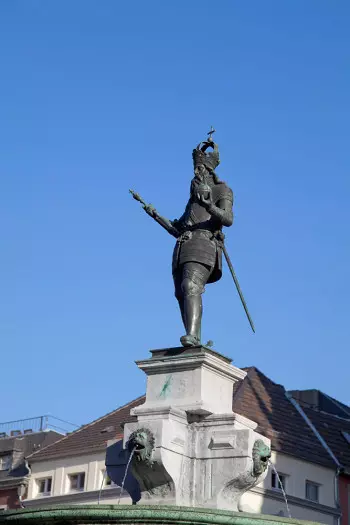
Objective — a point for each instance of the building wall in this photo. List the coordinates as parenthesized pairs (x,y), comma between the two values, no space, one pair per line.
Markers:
(9,499)
(344,496)
(261,499)
(59,469)
(267,500)
(298,472)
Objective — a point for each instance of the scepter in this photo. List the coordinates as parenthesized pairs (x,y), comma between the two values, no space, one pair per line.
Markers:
(152,212)
(137,197)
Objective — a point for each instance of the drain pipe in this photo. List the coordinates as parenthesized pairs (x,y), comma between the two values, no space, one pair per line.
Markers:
(339,468)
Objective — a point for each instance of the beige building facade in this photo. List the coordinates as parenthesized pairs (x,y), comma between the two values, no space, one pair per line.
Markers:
(81,479)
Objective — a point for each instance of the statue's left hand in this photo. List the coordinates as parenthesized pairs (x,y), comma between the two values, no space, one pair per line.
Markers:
(205,200)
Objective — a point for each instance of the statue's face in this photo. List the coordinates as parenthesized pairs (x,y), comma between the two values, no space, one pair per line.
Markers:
(200,171)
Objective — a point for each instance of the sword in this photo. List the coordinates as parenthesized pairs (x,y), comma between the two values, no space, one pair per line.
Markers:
(229,264)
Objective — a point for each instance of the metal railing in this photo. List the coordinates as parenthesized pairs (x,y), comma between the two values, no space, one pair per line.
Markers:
(22,427)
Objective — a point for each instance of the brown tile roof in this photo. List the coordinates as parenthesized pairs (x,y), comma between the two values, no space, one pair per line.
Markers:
(331,428)
(256,397)
(265,402)
(91,437)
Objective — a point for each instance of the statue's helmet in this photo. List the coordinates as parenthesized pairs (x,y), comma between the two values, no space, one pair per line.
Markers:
(209,159)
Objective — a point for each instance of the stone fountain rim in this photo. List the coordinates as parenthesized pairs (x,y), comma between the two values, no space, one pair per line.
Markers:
(104,513)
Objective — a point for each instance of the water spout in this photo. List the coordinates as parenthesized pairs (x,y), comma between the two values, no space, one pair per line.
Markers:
(282,488)
(101,488)
(126,473)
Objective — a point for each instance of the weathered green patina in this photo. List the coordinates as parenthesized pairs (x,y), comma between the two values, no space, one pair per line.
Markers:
(166,387)
(140,514)
(261,455)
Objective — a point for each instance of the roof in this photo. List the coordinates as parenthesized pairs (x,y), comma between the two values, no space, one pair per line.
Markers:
(92,437)
(266,403)
(331,418)
(320,401)
(21,446)
(331,428)
(256,397)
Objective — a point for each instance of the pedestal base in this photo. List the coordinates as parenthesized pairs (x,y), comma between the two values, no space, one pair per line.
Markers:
(188,446)
(196,379)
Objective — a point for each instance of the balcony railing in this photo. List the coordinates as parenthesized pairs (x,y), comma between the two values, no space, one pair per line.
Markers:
(21,427)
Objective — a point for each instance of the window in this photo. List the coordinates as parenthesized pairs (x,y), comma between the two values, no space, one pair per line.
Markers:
(276,484)
(44,486)
(76,482)
(5,462)
(311,491)
(107,481)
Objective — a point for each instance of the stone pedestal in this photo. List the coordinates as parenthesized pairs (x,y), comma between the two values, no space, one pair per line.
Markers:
(189,447)
(198,380)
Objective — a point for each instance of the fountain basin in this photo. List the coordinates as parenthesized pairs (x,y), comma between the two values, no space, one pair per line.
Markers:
(137,514)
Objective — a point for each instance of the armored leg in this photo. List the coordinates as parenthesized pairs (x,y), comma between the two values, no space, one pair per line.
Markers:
(189,288)
(193,316)
(179,295)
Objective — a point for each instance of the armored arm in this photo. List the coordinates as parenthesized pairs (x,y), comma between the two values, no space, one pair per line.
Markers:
(223,210)
(152,212)
(179,223)
(162,221)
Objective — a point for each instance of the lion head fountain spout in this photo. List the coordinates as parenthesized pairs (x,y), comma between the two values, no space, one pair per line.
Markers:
(141,444)
(261,456)
(147,466)
(254,472)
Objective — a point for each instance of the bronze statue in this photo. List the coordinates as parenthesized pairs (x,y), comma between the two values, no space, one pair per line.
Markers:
(197,257)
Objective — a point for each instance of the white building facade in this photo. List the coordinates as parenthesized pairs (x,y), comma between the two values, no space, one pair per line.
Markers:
(81,479)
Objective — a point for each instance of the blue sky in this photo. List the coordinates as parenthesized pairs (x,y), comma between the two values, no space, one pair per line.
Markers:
(98,97)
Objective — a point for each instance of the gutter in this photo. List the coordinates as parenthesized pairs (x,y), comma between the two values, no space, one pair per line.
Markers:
(339,468)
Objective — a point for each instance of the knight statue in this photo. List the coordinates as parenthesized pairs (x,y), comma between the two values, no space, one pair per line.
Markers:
(197,257)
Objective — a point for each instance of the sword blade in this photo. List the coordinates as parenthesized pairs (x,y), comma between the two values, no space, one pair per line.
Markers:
(235,280)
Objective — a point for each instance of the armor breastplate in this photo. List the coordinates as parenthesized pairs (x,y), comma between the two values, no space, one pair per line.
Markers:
(197,215)
(199,245)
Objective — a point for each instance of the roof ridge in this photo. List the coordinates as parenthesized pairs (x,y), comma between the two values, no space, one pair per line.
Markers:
(345,408)
(258,372)
(83,427)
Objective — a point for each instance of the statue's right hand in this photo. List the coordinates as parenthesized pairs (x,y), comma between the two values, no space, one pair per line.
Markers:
(150,210)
